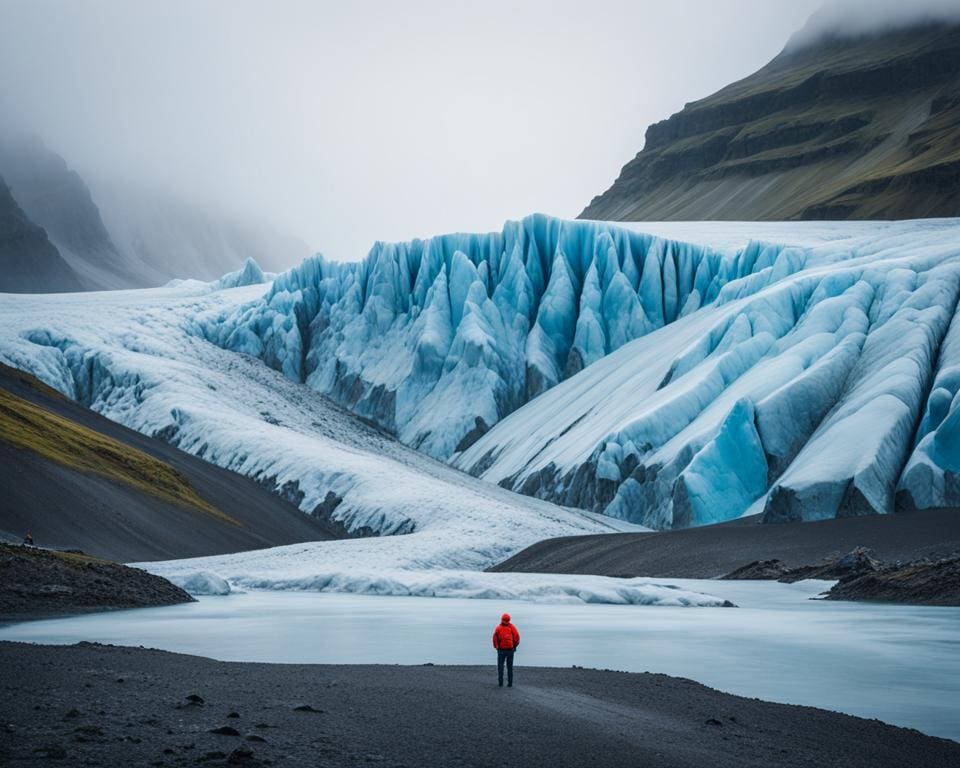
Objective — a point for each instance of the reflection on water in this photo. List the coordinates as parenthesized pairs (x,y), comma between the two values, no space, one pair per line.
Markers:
(900,664)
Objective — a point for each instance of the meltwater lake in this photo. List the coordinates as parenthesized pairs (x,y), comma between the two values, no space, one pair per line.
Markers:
(900,664)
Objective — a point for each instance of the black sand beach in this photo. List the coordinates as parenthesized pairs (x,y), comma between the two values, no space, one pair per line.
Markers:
(111,706)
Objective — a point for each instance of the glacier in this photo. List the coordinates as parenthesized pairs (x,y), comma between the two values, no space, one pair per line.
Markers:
(793,360)
(620,377)
(828,390)
(437,340)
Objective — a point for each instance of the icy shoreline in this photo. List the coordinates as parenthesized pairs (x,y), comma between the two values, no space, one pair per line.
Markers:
(539,588)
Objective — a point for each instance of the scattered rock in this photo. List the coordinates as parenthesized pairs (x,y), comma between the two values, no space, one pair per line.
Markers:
(240,755)
(255,737)
(71,714)
(193,700)
(758,569)
(212,756)
(713,721)
(53,752)
(224,730)
(856,562)
(307,708)
(234,715)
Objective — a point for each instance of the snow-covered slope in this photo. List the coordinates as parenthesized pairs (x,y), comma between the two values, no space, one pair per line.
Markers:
(797,393)
(437,340)
(131,356)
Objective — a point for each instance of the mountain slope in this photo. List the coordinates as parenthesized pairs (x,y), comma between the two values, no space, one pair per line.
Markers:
(840,128)
(29,262)
(75,479)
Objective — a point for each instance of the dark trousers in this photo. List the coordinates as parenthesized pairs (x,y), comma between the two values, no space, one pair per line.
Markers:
(505,655)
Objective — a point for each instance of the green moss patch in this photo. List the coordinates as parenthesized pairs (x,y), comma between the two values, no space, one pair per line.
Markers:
(32,428)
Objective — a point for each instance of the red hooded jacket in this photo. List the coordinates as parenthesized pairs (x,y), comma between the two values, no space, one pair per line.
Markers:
(505,636)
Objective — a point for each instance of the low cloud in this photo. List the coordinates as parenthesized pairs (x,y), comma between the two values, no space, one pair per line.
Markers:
(849,18)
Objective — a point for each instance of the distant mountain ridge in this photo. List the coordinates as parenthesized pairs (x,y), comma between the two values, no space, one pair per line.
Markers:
(111,235)
(57,199)
(167,237)
(843,128)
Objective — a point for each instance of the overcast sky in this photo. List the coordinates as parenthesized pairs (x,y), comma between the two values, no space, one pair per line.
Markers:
(348,122)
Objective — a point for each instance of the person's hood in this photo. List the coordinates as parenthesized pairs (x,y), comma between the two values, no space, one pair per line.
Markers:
(505,619)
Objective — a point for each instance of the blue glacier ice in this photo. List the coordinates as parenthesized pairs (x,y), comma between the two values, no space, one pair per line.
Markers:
(437,340)
(931,476)
(820,381)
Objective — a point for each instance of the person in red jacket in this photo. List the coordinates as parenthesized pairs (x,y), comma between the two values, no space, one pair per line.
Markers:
(506,639)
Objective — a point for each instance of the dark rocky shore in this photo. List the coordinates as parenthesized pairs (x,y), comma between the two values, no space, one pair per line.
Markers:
(919,583)
(860,576)
(110,706)
(36,582)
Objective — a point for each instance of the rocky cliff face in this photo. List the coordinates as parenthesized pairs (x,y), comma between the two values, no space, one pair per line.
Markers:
(29,262)
(843,128)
